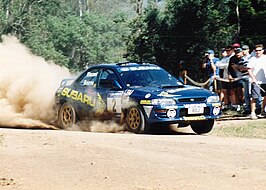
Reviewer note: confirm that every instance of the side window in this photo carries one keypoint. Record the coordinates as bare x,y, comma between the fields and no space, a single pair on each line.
89,78
106,78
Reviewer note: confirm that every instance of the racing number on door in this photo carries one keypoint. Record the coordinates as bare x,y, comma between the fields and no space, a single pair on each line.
114,103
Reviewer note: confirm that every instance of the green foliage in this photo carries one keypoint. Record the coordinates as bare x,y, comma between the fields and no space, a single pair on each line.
253,21
185,29
59,31
78,33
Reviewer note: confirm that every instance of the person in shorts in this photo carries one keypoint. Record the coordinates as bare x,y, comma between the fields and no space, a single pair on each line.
225,86
257,70
234,75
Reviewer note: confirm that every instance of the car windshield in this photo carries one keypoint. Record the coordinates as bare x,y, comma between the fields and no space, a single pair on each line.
141,76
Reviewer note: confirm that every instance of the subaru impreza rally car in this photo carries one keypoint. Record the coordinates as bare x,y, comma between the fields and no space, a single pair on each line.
137,94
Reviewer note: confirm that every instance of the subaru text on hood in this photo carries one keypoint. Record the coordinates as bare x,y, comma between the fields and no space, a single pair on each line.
140,95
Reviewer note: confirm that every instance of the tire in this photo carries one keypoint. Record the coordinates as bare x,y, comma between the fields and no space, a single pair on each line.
67,116
201,127
135,121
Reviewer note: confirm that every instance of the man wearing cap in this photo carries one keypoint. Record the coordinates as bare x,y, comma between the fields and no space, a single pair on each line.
236,45
235,74
246,81
246,54
209,64
223,64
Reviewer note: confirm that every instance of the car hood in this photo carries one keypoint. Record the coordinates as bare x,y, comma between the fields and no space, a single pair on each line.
174,92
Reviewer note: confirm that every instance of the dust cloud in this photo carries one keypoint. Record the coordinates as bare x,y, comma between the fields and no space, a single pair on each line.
107,126
27,87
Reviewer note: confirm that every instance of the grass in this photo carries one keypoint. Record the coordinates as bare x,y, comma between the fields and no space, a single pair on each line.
241,128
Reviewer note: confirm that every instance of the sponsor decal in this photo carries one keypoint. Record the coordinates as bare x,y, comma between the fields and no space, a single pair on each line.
128,92
114,102
100,105
176,90
148,95
194,118
89,74
145,102
166,94
88,83
147,110
78,96
140,68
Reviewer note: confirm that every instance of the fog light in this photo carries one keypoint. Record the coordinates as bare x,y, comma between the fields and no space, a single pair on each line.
216,110
171,113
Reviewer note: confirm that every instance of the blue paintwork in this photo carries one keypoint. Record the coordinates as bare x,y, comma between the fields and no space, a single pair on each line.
142,95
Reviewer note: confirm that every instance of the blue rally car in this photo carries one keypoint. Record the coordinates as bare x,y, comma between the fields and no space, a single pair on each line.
136,94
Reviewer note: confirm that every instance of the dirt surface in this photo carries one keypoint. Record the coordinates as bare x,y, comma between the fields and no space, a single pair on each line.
57,159
46,159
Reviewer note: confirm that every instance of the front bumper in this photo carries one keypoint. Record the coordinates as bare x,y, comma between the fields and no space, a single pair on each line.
181,113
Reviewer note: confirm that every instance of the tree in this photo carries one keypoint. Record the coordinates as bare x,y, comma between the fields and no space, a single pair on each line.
66,31
253,21
183,31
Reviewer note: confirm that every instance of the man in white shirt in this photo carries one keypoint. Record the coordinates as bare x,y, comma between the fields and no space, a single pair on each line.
257,72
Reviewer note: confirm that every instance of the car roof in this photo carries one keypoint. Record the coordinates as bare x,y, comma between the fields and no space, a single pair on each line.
121,65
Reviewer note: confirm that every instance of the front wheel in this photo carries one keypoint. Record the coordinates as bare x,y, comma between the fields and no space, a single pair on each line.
67,116
135,121
201,127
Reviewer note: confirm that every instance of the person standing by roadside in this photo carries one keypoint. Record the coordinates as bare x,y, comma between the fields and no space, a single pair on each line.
182,72
246,53
209,64
246,81
257,70
236,91
235,46
225,86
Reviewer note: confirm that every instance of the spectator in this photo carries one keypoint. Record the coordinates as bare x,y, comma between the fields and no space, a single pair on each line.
182,75
182,72
209,64
235,46
257,72
246,81
223,64
221,93
236,91
223,52
246,53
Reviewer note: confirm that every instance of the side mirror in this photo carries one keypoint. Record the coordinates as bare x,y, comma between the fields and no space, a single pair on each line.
116,85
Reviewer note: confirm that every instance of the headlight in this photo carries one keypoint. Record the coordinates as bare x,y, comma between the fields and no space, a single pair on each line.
213,99
163,102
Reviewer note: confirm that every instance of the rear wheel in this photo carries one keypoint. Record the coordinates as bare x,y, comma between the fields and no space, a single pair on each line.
135,121
67,116
201,127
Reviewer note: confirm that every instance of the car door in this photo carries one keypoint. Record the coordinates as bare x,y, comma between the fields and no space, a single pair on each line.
86,85
109,96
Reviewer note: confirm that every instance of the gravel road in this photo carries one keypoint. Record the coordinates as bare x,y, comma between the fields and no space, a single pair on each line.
57,159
